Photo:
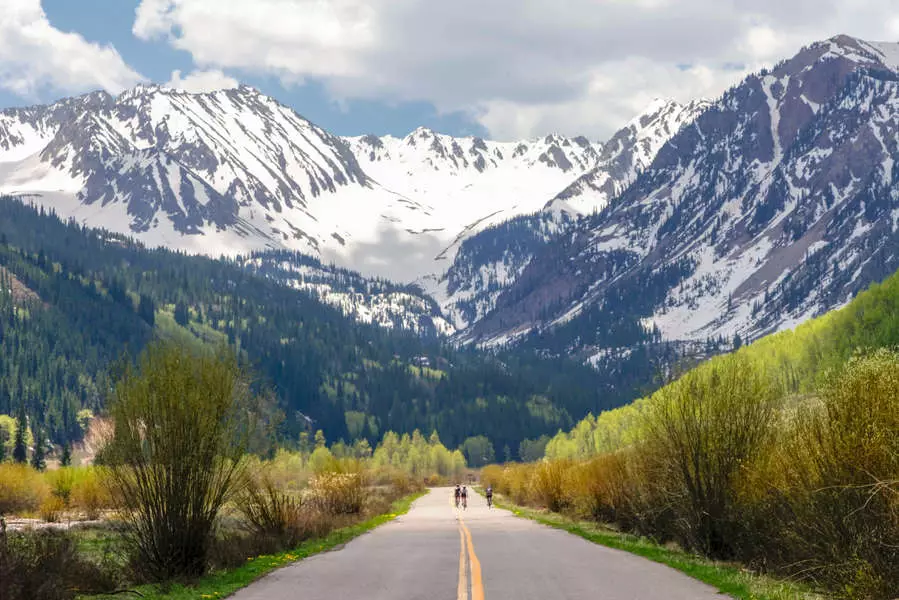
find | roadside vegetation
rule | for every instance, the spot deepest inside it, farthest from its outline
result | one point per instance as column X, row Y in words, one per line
column 177, row 498
column 783, row 456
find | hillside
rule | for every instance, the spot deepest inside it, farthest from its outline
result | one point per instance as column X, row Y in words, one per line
column 100, row 296
column 798, row 359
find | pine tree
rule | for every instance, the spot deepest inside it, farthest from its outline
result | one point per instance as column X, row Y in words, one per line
column 19, row 451
column 66, row 459
column 182, row 315
column 38, row 456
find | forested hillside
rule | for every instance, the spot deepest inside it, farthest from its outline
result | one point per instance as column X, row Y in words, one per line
column 76, row 300
column 798, row 359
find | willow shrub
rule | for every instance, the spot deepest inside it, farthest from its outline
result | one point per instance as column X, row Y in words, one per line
column 831, row 513
column 177, row 453
column 700, row 432
column 22, row 489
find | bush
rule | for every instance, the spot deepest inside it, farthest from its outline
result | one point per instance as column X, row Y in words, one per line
column 22, row 489
column 337, row 493
column 177, row 454
column 52, row 508
column 833, row 506
column 44, row 564
column 90, row 493
column 700, row 431
column 548, row 484
column 279, row 516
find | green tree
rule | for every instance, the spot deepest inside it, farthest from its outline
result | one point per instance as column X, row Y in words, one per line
column 39, row 454
column 20, row 451
column 177, row 454
column 478, row 451
column 146, row 309
column 4, row 438
column 66, row 458
column 182, row 314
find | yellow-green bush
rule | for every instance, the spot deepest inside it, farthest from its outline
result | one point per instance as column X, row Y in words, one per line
column 52, row 509
column 22, row 489
column 90, row 492
column 340, row 491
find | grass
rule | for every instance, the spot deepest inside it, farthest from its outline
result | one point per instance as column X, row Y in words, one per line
column 728, row 578
column 223, row 583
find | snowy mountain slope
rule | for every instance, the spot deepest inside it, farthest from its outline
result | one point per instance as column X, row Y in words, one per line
column 779, row 202
column 233, row 171
column 627, row 154
column 367, row 300
column 219, row 173
column 491, row 260
column 472, row 183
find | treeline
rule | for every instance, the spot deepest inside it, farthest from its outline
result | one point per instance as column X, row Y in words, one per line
column 101, row 298
column 783, row 455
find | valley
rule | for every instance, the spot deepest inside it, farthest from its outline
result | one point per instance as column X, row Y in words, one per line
column 232, row 339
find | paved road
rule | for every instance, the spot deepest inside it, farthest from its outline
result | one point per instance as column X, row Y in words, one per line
column 438, row 553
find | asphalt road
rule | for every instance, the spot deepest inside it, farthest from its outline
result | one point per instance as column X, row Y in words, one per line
column 438, row 553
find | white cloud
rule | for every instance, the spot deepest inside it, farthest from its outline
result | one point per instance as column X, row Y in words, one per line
column 202, row 81
column 522, row 67
column 35, row 56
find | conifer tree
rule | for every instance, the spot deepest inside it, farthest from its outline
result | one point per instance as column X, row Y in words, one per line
column 19, row 451
column 66, row 459
column 38, row 455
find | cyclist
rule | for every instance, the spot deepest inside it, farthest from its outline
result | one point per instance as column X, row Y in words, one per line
column 489, row 493
column 458, row 495
column 464, row 497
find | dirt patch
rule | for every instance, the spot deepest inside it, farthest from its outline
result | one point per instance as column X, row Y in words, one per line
column 21, row 294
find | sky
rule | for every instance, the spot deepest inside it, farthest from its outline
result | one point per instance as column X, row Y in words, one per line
column 505, row 69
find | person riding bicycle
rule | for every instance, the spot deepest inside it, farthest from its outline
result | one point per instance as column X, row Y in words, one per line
column 464, row 497
column 458, row 495
column 489, row 493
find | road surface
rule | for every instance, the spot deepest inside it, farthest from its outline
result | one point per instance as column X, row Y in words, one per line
column 438, row 553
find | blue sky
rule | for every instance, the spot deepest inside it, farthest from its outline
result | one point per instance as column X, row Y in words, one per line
column 505, row 69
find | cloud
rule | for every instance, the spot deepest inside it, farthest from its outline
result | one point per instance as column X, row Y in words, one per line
column 521, row 67
column 202, row 81
column 35, row 56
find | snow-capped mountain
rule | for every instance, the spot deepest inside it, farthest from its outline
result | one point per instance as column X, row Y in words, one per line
column 779, row 202
column 234, row 171
column 366, row 300
column 219, row 173
column 627, row 154
column 491, row 260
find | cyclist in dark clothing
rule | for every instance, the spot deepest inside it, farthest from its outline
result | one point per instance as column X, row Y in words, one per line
column 464, row 497
column 458, row 495
column 489, row 493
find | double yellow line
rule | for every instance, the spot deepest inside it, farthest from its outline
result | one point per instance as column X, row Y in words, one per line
column 477, row 586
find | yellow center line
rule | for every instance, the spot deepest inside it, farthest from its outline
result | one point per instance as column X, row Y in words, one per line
column 477, row 586
column 462, row 593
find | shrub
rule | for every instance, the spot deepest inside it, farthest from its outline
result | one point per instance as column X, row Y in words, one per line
column 548, row 484
column 45, row 564
column 177, row 453
column 834, row 505
column 22, row 489
column 62, row 483
column 90, row 494
column 340, row 492
column 276, row 515
column 700, row 431
column 52, row 508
